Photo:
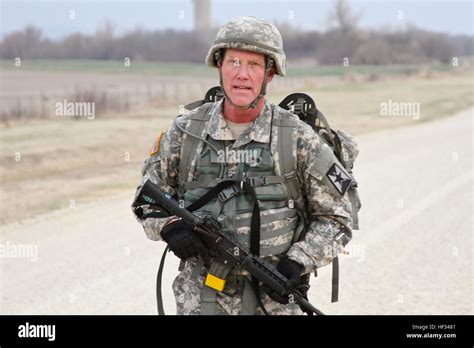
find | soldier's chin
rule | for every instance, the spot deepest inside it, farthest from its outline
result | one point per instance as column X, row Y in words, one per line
column 241, row 101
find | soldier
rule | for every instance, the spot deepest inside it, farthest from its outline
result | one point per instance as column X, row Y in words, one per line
column 299, row 185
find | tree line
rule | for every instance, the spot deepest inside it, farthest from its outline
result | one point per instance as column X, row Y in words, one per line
column 408, row 46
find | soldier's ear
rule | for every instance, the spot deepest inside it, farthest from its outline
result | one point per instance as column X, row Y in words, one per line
column 219, row 56
column 271, row 73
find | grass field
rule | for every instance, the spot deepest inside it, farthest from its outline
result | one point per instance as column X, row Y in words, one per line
column 201, row 70
column 54, row 163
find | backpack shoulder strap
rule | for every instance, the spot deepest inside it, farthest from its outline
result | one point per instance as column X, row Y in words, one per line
column 287, row 124
column 196, row 126
column 286, row 141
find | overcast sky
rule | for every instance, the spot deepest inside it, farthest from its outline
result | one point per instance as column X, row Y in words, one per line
column 53, row 17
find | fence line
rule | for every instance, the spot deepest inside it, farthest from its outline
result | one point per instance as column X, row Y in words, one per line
column 175, row 92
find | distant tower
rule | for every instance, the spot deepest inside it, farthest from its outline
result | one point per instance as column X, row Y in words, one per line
column 202, row 15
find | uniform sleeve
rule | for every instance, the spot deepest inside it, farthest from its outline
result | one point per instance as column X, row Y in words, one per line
column 324, row 184
column 162, row 168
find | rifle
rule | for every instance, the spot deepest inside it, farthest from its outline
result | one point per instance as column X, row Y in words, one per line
column 226, row 253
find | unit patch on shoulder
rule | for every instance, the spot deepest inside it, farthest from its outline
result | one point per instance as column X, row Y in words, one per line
column 156, row 145
column 339, row 178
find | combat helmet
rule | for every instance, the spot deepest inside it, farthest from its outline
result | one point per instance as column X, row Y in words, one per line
column 250, row 34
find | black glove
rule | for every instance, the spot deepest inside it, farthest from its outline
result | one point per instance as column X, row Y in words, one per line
column 183, row 241
column 290, row 269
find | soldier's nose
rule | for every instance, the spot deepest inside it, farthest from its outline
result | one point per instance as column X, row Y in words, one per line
column 243, row 72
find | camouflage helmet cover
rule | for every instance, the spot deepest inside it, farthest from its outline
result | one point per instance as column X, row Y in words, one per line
column 250, row 34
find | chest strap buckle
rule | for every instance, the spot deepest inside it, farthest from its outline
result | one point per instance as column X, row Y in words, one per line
column 229, row 192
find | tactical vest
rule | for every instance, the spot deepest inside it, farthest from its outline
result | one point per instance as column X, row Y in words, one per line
column 282, row 212
column 283, row 215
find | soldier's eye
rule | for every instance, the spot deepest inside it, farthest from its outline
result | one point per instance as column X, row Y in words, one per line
column 254, row 65
column 236, row 62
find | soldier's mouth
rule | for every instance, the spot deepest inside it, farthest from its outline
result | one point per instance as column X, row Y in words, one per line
column 241, row 88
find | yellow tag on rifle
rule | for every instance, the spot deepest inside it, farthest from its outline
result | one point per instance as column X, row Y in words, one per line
column 214, row 282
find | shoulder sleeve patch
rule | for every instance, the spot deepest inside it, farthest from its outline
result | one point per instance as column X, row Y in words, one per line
column 156, row 145
column 339, row 178
column 326, row 168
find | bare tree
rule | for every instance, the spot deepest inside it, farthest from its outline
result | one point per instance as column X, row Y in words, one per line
column 343, row 18
column 24, row 44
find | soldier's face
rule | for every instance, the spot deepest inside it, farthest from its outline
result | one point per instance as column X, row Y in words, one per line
column 243, row 73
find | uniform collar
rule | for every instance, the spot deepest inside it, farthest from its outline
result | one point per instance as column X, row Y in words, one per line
column 258, row 131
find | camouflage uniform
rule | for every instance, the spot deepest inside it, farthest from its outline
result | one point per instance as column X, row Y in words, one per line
column 328, row 210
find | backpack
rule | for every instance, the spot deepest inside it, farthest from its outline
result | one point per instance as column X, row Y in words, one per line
column 343, row 145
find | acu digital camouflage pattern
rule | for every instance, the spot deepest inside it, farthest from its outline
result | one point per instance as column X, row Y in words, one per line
column 250, row 34
column 329, row 211
column 187, row 291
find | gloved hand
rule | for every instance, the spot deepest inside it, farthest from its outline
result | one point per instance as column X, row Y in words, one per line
column 183, row 241
column 290, row 269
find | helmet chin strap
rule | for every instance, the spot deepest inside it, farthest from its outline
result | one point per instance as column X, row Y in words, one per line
column 263, row 88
